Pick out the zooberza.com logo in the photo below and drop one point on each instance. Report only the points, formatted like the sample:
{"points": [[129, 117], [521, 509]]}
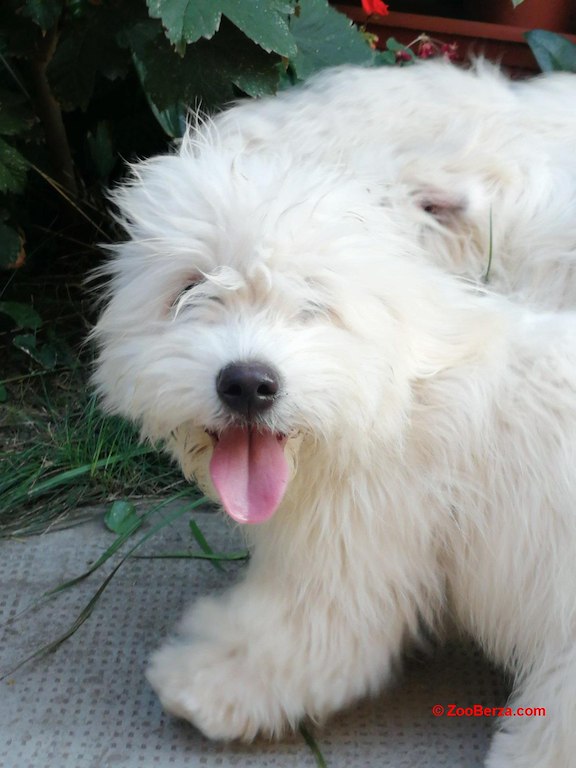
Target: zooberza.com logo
{"points": [[479, 710]]}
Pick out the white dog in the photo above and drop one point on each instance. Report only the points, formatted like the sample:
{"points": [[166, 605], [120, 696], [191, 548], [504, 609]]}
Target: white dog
{"points": [[491, 162], [283, 319]]}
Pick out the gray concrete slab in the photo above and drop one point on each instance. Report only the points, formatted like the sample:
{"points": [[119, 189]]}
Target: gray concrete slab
{"points": [[88, 705]]}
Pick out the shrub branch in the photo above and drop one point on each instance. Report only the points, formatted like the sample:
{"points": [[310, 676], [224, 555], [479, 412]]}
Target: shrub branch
{"points": [[50, 114]]}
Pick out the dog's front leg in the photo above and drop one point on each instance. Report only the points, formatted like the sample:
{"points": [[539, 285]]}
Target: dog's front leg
{"points": [[266, 654]]}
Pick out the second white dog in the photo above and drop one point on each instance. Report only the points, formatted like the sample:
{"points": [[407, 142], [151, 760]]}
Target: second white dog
{"points": [[492, 162], [405, 442]]}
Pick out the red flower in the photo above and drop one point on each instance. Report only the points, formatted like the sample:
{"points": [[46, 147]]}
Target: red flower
{"points": [[426, 50], [450, 51], [376, 7], [403, 56]]}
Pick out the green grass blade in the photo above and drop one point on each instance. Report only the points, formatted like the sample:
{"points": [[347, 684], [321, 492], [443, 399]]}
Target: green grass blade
{"points": [[81, 618], [312, 744], [89, 607], [73, 474], [118, 542], [490, 250], [122, 538], [213, 556], [203, 544]]}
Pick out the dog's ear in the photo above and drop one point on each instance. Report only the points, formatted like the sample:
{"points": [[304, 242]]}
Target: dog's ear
{"points": [[445, 206]]}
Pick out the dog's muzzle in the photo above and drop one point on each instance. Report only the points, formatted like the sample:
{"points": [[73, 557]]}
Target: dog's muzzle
{"points": [[248, 467]]}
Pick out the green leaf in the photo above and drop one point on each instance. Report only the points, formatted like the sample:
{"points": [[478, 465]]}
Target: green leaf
{"points": [[325, 38], [45, 13], [207, 73], [12, 252], [393, 45], [384, 59], [122, 518], [87, 48], [3, 393], [253, 71], [552, 52], [13, 169], [65, 355], [256, 80], [172, 119], [22, 314], [101, 150], [389, 56], [45, 355], [186, 20], [168, 79], [266, 22]]}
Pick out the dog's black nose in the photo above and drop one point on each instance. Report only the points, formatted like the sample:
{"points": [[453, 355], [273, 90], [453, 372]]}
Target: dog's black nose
{"points": [[248, 388]]}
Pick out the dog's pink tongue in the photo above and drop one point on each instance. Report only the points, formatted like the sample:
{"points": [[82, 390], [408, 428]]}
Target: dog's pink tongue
{"points": [[250, 473]]}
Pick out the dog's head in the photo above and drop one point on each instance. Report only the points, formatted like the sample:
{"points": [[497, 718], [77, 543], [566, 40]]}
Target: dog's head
{"points": [[258, 311]]}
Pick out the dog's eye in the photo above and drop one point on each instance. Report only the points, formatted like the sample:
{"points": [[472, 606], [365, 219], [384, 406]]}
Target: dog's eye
{"points": [[193, 282], [179, 298]]}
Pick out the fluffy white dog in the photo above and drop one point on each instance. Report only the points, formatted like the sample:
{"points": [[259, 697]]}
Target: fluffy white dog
{"points": [[283, 318], [491, 162]]}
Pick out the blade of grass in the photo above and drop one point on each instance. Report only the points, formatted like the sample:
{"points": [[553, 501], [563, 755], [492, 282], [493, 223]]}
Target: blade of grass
{"points": [[490, 250], [34, 374], [123, 537], [74, 627], [72, 474], [214, 556], [63, 193], [15, 77], [202, 543], [312, 744], [30, 488], [117, 544], [89, 607]]}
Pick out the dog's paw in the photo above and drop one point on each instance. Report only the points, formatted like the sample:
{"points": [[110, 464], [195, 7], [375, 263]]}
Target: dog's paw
{"points": [[218, 690]]}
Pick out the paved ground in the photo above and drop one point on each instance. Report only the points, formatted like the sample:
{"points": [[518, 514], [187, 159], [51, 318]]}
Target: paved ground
{"points": [[88, 705]]}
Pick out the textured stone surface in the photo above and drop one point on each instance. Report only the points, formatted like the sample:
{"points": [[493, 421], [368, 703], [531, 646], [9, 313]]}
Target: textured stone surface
{"points": [[88, 705]]}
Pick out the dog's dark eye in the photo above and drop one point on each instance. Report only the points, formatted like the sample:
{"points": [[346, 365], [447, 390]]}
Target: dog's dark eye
{"points": [[189, 286], [194, 282]]}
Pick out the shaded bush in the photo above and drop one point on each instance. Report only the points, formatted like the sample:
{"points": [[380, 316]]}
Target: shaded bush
{"points": [[87, 82]]}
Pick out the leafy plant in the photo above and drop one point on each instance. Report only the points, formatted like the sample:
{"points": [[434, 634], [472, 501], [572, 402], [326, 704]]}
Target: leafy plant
{"points": [[27, 323], [65, 457], [553, 52], [84, 82]]}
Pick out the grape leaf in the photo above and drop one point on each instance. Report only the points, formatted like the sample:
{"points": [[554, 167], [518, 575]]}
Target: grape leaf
{"points": [[325, 38], [187, 20]]}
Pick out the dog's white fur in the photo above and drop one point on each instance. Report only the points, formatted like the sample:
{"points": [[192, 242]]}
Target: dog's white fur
{"points": [[431, 425], [495, 159]]}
